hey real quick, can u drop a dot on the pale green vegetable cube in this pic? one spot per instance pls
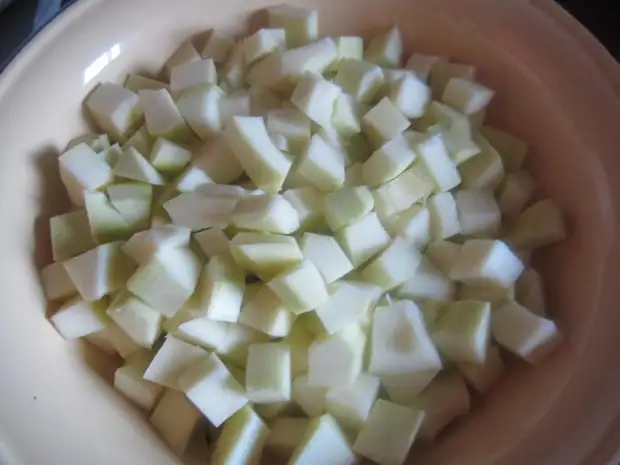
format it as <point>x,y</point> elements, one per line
<point>410,95</point>
<point>299,339</point>
<point>364,239</point>
<point>395,265</point>
<point>268,374</point>
<point>144,244</point>
<point>263,42</point>
<point>301,24</point>
<point>113,340</point>
<point>523,333</point>
<point>217,159</point>
<point>387,162</point>
<point>530,292</point>
<point>349,303</point>
<point>386,49</point>
<point>286,433</point>
<point>540,225</point>
<point>133,201</point>
<point>437,161</point>
<point>346,206</point>
<point>421,65</point>
<point>184,54</point>
<point>70,235</point>
<point>322,165</point>
<point>191,179</point>
<point>99,271</point>
<point>310,398</point>
<point>263,100</point>
<point>265,255</point>
<point>512,149</point>
<point>337,359</point>
<point>483,376</point>
<point>515,192</point>
<point>404,389</point>
<point>445,221</point>
<point>169,157</point>
<point>241,440</point>
<point>463,332</point>
<point>77,318</point>
<point>496,294</point>
<point>413,225</point>
<point>139,320</point>
<point>222,285</point>
<point>197,211</point>
<point>360,79</point>
<point>238,103</point>
<point>213,390</point>
<point>486,261</point>
<point>171,360</point>
<point>201,110</point>
<point>266,166</point>
<point>400,194</point>
<point>483,171</point>
<point>167,280</point>
<point>325,443</point>
<point>349,47</point>
<point>326,255</point>
<point>351,404</point>
<point>129,382</point>
<point>301,288</point>
<point>443,71</point>
<point>213,241</point>
<point>478,212</point>
<point>292,124</point>
<point>98,142</point>
<point>268,213</point>
<point>193,74</point>
<point>353,175</point>
<point>116,110</point>
<point>388,433</point>
<point>233,71</point>
<point>265,312</point>
<point>466,96</point>
<point>106,222</point>
<point>316,97</point>
<point>218,46</point>
<point>346,115</point>
<point>428,282</point>
<point>308,201</point>
<point>162,116</point>
<point>176,419</point>
<point>384,122</point>
<point>444,255</point>
<point>141,140</point>
<point>132,165</point>
<point>81,169</point>
<point>56,282</point>
<point>136,82</point>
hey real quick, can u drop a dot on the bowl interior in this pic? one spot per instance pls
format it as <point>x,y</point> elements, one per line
<point>549,91</point>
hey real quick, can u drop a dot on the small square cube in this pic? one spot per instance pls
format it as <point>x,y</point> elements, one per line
<point>268,373</point>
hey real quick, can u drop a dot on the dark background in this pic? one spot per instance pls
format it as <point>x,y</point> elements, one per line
<point>24,17</point>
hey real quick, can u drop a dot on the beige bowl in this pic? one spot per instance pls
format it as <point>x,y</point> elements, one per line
<point>556,87</point>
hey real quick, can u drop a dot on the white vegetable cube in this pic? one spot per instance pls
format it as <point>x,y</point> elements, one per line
<point>201,110</point>
<point>139,320</point>
<point>350,47</point>
<point>495,294</point>
<point>478,212</point>
<point>132,165</point>
<point>301,24</point>
<point>421,65</point>
<point>401,344</point>
<point>292,124</point>
<point>137,82</point>
<point>197,73</point>
<point>530,292</point>
<point>197,211</point>
<point>512,149</point>
<point>184,54</point>
<point>388,433</point>
<point>56,282</point>
<point>360,79</point>
<point>349,303</point>
<point>437,161</point>
<point>162,116</point>
<point>311,398</point>
<point>539,225</point>
<point>337,359</point>
<point>265,312</point>
<point>463,332</point>
<point>364,239</point>
<point>324,442</point>
<point>169,157</point>
<point>133,202</point>
<point>77,318</point>
<point>445,221</point>
<point>414,224</point>
<point>299,339</point>
<point>233,71</point>
<point>218,46</point>
<point>515,192</point>
<point>388,161</point>
<point>262,42</point>
<point>386,49</point>
<point>218,161</point>
<point>326,255</point>
<point>222,286</point>
<point>466,96</point>
<point>351,404</point>
<point>482,171</point>
<point>315,97</point>
<point>191,179</point>
<point>171,360</point>
<point>428,282</point>
<point>265,255</point>
<point>99,271</point>
<point>347,205</point>
<point>106,223</point>
<point>213,390</point>
<point>175,418</point>
<point>268,213</point>
<point>128,381</point>
<point>525,334</point>
<point>266,166</point>
<point>486,261</point>
<point>410,95</point>
<point>143,245</point>
<point>444,255</point>
<point>241,440</point>
<point>285,434</point>
<point>346,116</point>
<point>395,265</point>
<point>113,340</point>
<point>268,375</point>
<point>116,110</point>
<point>238,103</point>
<point>308,201</point>
<point>443,71</point>
<point>167,280</point>
<point>483,377</point>
<point>384,122</point>
<point>404,389</point>
<point>212,241</point>
<point>322,165</point>
<point>443,401</point>
<point>400,194</point>
<point>301,288</point>
<point>81,169</point>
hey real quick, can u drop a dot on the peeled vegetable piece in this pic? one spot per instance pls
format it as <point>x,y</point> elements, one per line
<point>70,235</point>
<point>443,71</point>
<point>128,380</point>
<point>139,320</point>
<point>325,253</point>
<point>399,194</point>
<point>116,110</point>
<point>192,74</point>
<point>144,244</point>
<point>171,360</point>
<point>285,434</point>
<point>167,280</point>
<point>184,54</point>
<point>478,212</point>
<point>222,285</point>
<point>241,440</point>
<point>56,282</point>
<point>349,302</point>
<point>351,404</point>
<point>444,216</point>
<point>310,398</point>
<point>414,225</point>
<point>162,116</point>
<point>389,433</point>
<point>200,108</point>
<point>540,225</point>
<point>113,340</point>
<point>322,165</point>
<point>268,213</point>
<point>444,255</point>
<point>486,261</point>
<point>428,282</point>
<point>421,64</point>
<point>301,24</point>
<point>325,443</point>
<point>410,95</point>
<point>292,124</point>
<point>483,377</point>
<point>364,239</point>
<point>175,418</point>
<point>133,201</point>
<point>106,223</point>
<point>347,205</point>
<point>77,318</point>
<point>301,288</point>
<point>299,339</point>
<point>436,159</point>
<point>463,332</point>
<point>213,241</point>
<point>386,49</point>
<point>384,122</point>
<point>308,201</point>
<point>482,171</point>
<point>512,149</point>
<point>99,271</point>
<point>266,166</point>
<point>268,373</point>
<point>212,389</point>
<point>82,169</point>
<point>466,96</point>
<point>525,334</point>
<point>265,312</point>
<point>197,211</point>
<point>360,79</point>
<point>316,97</point>
<point>388,161</point>
<point>393,266</point>
<point>530,292</point>
<point>169,157</point>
